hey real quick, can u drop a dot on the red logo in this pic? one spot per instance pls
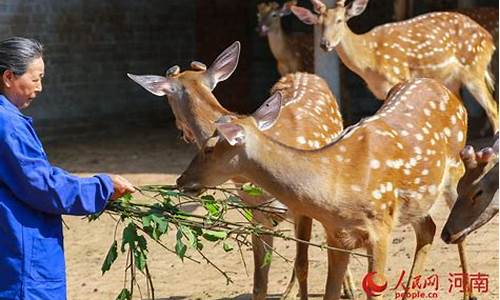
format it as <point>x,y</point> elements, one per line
<point>371,288</point>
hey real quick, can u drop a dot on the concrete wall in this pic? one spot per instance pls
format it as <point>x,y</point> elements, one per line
<point>90,46</point>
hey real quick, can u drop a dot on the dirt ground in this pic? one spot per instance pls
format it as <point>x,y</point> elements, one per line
<point>157,156</point>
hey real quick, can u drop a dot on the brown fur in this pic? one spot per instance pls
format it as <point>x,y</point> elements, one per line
<point>387,169</point>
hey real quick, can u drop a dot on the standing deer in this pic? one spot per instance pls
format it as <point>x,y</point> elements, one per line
<point>477,190</point>
<point>445,46</point>
<point>387,169</point>
<point>487,17</point>
<point>294,52</point>
<point>310,119</point>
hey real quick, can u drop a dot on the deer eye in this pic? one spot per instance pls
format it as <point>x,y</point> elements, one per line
<point>208,150</point>
<point>274,15</point>
<point>339,21</point>
<point>477,194</point>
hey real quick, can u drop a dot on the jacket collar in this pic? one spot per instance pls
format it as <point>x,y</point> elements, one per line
<point>4,102</point>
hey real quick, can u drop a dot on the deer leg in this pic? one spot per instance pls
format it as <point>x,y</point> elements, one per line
<point>378,251</point>
<point>348,285</point>
<point>425,229</point>
<point>303,227</point>
<point>337,266</point>
<point>465,270</point>
<point>478,88</point>
<point>260,246</point>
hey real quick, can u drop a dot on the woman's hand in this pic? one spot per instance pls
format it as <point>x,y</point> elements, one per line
<point>121,187</point>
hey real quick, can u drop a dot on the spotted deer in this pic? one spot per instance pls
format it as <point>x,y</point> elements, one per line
<point>387,169</point>
<point>294,52</point>
<point>446,46</point>
<point>477,190</point>
<point>487,17</point>
<point>310,119</point>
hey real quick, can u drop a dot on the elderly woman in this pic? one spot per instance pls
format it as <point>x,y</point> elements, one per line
<point>33,193</point>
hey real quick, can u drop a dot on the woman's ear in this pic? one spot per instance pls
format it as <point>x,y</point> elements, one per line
<point>7,77</point>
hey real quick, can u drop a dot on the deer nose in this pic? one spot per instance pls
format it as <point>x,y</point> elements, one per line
<point>325,44</point>
<point>446,236</point>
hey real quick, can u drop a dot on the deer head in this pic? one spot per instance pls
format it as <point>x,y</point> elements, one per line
<point>477,191</point>
<point>183,89</point>
<point>269,15</point>
<point>333,21</point>
<point>222,156</point>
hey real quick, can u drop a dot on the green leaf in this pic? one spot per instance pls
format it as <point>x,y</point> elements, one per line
<point>146,220</point>
<point>227,247</point>
<point>233,199</point>
<point>165,192</point>
<point>162,224</point>
<point>252,190</point>
<point>248,215</point>
<point>140,260</point>
<point>211,235</point>
<point>155,225</point>
<point>213,209</point>
<point>268,257</point>
<point>142,243</point>
<point>110,258</point>
<point>124,295</point>
<point>129,236</point>
<point>124,200</point>
<point>180,247</point>
<point>190,235</point>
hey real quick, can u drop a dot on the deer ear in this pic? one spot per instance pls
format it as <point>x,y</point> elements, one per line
<point>157,85</point>
<point>318,6</point>
<point>486,155</point>
<point>267,114</point>
<point>223,66</point>
<point>305,15</point>
<point>468,156</point>
<point>234,134</point>
<point>356,8</point>
<point>286,8</point>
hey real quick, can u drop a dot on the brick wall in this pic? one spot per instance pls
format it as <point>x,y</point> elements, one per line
<point>90,45</point>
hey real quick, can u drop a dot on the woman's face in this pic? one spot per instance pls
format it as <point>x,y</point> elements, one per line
<point>22,89</point>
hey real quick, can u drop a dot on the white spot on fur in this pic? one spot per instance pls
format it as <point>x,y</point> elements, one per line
<point>376,194</point>
<point>355,188</point>
<point>301,140</point>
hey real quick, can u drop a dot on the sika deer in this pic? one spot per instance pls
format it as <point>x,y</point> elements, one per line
<point>477,190</point>
<point>445,46</point>
<point>386,169</point>
<point>294,52</point>
<point>310,119</point>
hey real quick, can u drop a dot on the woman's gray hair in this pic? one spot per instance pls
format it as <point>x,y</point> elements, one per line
<point>16,53</point>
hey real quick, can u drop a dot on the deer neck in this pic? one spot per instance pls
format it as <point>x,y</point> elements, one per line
<point>203,110</point>
<point>278,43</point>
<point>279,170</point>
<point>354,52</point>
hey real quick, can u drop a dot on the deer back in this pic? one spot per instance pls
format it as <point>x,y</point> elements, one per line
<point>433,45</point>
<point>400,160</point>
<point>310,117</point>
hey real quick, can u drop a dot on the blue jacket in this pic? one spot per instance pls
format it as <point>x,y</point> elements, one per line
<point>33,196</point>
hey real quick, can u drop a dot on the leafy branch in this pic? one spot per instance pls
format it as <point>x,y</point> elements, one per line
<point>163,212</point>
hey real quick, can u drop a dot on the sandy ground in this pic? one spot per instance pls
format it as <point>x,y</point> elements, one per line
<point>157,157</point>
